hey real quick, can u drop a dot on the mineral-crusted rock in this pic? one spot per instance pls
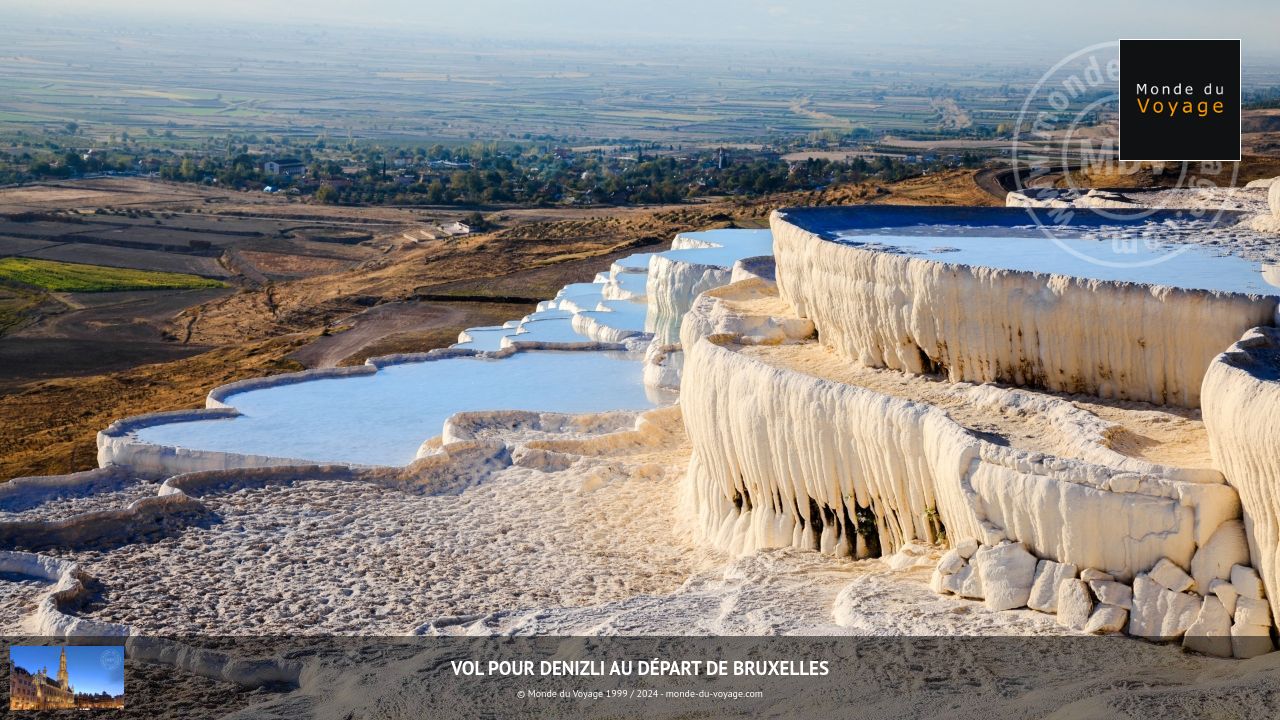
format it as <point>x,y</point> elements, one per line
<point>1226,592</point>
<point>671,288</point>
<point>1241,393</point>
<point>937,582</point>
<point>674,283</point>
<point>1107,619</point>
<point>779,454</point>
<point>983,324</point>
<point>753,428</point>
<point>1252,611</point>
<point>1075,604</point>
<point>967,547</point>
<point>1171,576</point>
<point>909,555</point>
<point>1249,641</point>
<point>1211,632</point>
<point>1159,613</point>
<point>1226,547</point>
<point>971,587</point>
<point>768,322</point>
<point>1273,198</point>
<point>1091,575</point>
<point>1007,573</point>
<point>954,583</point>
<point>1044,589</point>
<point>1246,582</point>
<point>1110,592</point>
<point>950,563</point>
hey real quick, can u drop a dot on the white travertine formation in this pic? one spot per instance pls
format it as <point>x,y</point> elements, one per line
<point>456,466</point>
<point>1075,604</point>
<point>800,442</point>
<point>1240,401</point>
<point>1211,632</point>
<point>1103,338</point>
<point>1227,546</point>
<point>662,363</point>
<point>968,547</point>
<point>951,562</point>
<point>748,308</point>
<point>1111,592</point>
<point>1170,576</point>
<point>217,665</point>
<point>1044,589</point>
<point>1226,592</point>
<point>672,287</point>
<point>1246,582</point>
<point>1107,619</point>
<point>118,445</point>
<point>676,279</point>
<point>145,517</point>
<point>970,583</point>
<point>784,458</point>
<point>599,326</point>
<point>1051,198</point>
<point>1095,575</point>
<point>480,425</point>
<point>68,589</point>
<point>1007,571</point>
<point>1249,641</point>
<point>740,312</point>
<point>21,490</point>
<point>1159,613</point>
<point>1252,611</point>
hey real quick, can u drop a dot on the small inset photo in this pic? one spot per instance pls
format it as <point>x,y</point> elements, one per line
<point>66,677</point>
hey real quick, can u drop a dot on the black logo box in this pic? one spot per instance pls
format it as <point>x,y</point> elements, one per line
<point>1187,65</point>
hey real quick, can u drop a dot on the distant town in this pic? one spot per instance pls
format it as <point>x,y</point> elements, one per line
<point>479,173</point>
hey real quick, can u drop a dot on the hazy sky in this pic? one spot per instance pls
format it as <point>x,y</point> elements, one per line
<point>1051,26</point>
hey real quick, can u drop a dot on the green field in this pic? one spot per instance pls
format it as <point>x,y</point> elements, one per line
<point>73,277</point>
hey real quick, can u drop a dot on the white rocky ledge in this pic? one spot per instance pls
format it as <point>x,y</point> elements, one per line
<point>1242,415</point>
<point>785,458</point>
<point>1104,338</point>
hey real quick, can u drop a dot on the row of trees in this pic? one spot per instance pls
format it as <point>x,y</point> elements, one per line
<point>594,178</point>
<point>479,173</point>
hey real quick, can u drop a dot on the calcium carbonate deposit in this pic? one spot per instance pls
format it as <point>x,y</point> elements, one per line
<point>382,418</point>
<point>890,421</point>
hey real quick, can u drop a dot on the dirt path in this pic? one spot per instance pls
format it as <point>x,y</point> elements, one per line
<point>374,324</point>
<point>78,334</point>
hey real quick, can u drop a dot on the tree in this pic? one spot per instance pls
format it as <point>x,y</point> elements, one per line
<point>327,195</point>
<point>477,222</point>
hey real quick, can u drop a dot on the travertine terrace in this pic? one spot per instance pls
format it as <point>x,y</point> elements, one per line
<point>857,423</point>
<point>824,443</point>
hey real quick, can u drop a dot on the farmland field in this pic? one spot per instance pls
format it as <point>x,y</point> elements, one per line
<point>74,277</point>
<point>410,87</point>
